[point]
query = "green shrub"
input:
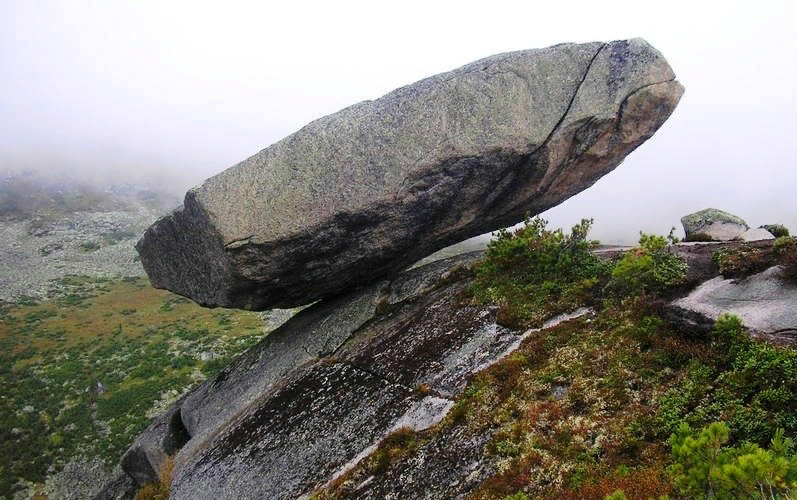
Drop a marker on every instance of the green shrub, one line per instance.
(751, 385)
(648, 268)
(705, 468)
(396, 445)
(786, 252)
(741, 261)
(784, 244)
(534, 273)
(89, 246)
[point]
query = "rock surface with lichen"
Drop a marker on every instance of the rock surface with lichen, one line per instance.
(712, 224)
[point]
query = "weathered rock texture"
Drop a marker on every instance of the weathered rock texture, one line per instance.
(764, 302)
(713, 225)
(268, 427)
(361, 194)
(756, 234)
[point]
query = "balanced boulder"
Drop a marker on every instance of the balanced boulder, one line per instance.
(361, 194)
(713, 225)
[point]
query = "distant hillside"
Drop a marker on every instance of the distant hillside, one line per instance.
(53, 226)
(25, 195)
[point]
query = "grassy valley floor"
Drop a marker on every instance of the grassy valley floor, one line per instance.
(83, 373)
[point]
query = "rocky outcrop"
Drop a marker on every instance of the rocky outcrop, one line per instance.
(764, 302)
(316, 395)
(713, 225)
(359, 195)
(756, 234)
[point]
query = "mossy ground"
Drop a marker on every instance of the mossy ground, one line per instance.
(84, 372)
(585, 409)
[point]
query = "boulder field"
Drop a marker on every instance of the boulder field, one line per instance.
(359, 195)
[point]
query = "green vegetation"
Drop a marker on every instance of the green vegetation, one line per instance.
(396, 445)
(786, 251)
(705, 468)
(89, 246)
(649, 268)
(535, 273)
(603, 407)
(741, 261)
(84, 372)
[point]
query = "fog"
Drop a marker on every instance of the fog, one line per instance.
(176, 91)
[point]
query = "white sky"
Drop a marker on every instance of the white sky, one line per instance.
(150, 86)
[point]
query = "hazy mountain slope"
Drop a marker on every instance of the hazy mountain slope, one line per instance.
(52, 227)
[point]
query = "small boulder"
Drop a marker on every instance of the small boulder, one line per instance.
(713, 225)
(756, 235)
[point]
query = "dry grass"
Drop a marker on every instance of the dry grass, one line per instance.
(161, 489)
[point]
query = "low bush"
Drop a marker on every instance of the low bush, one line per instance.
(89, 246)
(741, 261)
(786, 254)
(534, 273)
(395, 446)
(648, 268)
(705, 468)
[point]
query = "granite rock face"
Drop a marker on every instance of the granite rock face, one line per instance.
(267, 428)
(359, 195)
(713, 225)
(257, 431)
(763, 301)
(756, 234)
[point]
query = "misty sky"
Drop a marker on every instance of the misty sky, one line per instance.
(144, 87)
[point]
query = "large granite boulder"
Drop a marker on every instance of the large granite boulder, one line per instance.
(711, 224)
(361, 194)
